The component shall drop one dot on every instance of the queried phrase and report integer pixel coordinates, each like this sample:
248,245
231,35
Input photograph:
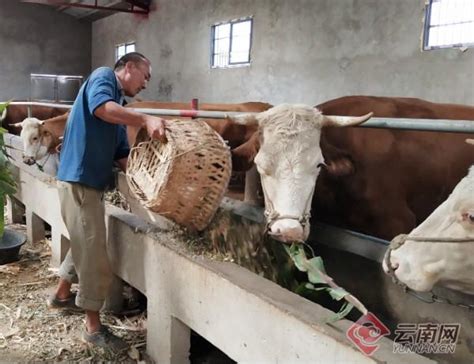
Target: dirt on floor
30,331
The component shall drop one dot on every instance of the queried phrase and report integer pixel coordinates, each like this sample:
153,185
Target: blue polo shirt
91,145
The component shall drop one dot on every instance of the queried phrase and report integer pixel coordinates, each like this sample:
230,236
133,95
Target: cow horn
470,141
245,119
341,121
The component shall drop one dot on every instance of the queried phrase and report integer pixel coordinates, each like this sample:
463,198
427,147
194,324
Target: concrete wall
303,51
38,39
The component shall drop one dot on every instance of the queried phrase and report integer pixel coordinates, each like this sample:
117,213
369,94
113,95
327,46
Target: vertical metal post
194,105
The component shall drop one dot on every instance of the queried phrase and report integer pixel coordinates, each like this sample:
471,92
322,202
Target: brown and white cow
288,160
441,249
41,139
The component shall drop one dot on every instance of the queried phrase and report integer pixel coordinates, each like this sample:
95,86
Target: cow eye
468,216
35,138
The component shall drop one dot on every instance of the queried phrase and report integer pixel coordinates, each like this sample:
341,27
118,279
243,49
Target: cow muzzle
29,160
288,230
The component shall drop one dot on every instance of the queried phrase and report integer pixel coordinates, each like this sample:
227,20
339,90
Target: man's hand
155,127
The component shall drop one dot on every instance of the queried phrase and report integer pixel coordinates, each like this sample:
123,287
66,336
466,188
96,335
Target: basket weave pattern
184,179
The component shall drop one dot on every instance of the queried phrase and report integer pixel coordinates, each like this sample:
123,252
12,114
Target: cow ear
340,167
245,119
17,125
470,141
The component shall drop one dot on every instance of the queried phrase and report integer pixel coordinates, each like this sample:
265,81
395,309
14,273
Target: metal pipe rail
444,125
32,103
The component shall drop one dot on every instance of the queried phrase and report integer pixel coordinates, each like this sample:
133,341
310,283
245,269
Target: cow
441,249
385,182
41,139
15,114
288,158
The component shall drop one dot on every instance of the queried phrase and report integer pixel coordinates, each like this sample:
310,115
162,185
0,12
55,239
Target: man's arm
112,112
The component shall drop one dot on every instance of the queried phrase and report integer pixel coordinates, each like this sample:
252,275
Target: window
231,42
449,24
123,49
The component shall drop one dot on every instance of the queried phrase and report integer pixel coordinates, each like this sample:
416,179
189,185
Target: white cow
39,146
288,162
441,249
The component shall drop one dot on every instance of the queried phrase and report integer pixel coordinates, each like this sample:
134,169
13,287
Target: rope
399,240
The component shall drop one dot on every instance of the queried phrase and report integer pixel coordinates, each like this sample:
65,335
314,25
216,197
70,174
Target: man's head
134,71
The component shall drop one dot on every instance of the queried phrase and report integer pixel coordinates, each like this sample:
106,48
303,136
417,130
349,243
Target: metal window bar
428,27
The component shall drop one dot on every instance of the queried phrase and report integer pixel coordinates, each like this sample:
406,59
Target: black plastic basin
10,245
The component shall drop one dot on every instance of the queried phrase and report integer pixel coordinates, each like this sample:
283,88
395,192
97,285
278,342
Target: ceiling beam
62,3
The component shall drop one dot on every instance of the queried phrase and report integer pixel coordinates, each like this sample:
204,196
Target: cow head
36,140
440,250
289,161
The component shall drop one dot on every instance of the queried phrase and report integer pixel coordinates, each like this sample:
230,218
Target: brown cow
385,182
17,113
233,133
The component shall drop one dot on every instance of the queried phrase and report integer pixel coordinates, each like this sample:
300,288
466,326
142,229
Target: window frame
426,32
229,51
125,44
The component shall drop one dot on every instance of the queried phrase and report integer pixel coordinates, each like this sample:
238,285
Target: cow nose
287,231
28,160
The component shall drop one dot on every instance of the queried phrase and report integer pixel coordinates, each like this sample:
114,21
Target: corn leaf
343,312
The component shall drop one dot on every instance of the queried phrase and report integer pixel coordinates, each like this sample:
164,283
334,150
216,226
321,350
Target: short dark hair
134,57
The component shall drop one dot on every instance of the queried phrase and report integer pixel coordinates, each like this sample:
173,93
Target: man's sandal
67,304
105,339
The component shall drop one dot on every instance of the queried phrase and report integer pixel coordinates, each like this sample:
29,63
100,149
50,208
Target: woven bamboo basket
184,179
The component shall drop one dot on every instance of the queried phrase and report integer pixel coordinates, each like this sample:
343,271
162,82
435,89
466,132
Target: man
93,140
